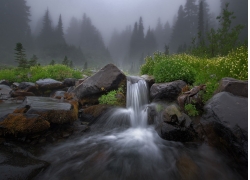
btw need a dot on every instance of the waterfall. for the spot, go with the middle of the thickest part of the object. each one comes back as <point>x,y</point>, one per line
<point>125,147</point>
<point>137,99</point>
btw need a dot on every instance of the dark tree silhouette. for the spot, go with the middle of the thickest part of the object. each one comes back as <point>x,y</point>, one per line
<point>14,26</point>
<point>21,56</point>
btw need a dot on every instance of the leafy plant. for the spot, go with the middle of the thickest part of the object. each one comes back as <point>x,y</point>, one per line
<point>191,110</point>
<point>111,97</point>
<point>199,70</point>
<point>21,56</point>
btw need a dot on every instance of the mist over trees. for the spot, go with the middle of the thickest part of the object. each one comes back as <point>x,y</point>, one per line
<point>82,42</point>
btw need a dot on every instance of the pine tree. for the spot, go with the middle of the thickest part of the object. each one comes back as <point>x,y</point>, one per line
<point>14,26</point>
<point>73,32</point>
<point>59,32</point>
<point>150,42</point>
<point>71,64</point>
<point>201,23</point>
<point>33,60</point>
<point>46,37</point>
<point>52,62</point>
<point>21,56</point>
<point>65,61</point>
<point>179,32</point>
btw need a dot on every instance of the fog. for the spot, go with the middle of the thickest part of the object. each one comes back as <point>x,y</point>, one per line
<point>108,15</point>
<point>92,33</point>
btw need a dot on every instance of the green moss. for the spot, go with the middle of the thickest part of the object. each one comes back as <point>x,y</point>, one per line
<point>21,124</point>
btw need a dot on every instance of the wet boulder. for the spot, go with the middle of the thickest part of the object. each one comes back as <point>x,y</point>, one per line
<point>26,85</point>
<point>234,86</point>
<point>18,163</point>
<point>69,82</point>
<point>224,126</point>
<point>90,114</point>
<point>4,90</point>
<point>5,82</point>
<point>22,124</point>
<point>149,79</point>
<point>174,116</point>
<point>106,79</point>
<point>7,106</point>
<point>58,94</point>
<point>47,85</point>
<point>166,91</point>
<point>176,133</point>
<point>53,110</point>
<point>21,93</point>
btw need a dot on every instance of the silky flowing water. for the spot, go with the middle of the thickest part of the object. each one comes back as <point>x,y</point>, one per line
<point>121,145</point>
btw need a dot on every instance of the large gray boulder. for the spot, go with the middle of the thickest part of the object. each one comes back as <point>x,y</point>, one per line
<point>224,126</point>
<point>19,163</point>
<point>49,84</point>
<point>227,109</point>
<point>107,79</point>
<point>234,86</point>
<point>4,91</point>
<point>166,91</point>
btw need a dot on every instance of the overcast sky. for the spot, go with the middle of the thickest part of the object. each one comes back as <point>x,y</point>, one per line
<point>108,15</point>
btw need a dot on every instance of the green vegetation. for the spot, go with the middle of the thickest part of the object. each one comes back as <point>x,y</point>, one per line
<point>198,70</point>
<point>191,110</point>
<point>34,73</point>
<point>112,97</point>
<point>221,41</point>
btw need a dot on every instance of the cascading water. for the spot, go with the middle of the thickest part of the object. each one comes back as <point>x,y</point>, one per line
<point>137,99</point>
<point>135,152</point>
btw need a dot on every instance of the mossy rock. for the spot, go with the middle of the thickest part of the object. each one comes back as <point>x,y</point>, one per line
<point>23,124</point>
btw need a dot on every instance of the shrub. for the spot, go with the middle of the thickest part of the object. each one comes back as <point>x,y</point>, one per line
<point>198,70</point>
<point>171,69</point>
<point>34,73</point>
<point>111,97</point>
<point>191,110</point>
<point>148,67</point>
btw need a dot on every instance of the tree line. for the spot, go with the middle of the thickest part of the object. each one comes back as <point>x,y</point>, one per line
<point>50,44</point>
<point>194,30</point>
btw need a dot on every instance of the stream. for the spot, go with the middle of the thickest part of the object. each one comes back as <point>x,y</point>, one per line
<point>122,146</point>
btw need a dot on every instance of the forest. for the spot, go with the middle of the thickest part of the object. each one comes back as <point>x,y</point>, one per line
<point>81,43</point>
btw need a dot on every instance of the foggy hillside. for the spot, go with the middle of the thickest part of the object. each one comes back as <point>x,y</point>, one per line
<point>99,32</point>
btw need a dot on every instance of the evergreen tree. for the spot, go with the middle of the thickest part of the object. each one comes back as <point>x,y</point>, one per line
<point>137,44</point>
<point>73,32</point>
<point>21,56</point>
<point>33,60</point>
<point>201,30</point>
<point>159,34</point>
<point>140,35</point>
<point>150,42</point>
<point>92,43</point>
<point>134,41</point>
<point>226,37</point>
<point>85,66</point>
<point>46,37</point>
<point>59,32</point>
<point>52,62</point>
<point>14,26</point>
<point>191,14</point>
<point>179,32</point>
<point>71,64</point>
<point>166,52</point>
<point>240,9</point>
<point>65,61</point>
